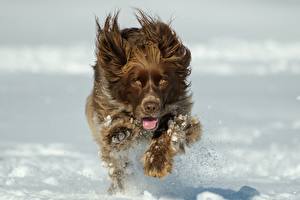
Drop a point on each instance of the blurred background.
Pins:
(58, 36)
(67, 22)
(245, 84)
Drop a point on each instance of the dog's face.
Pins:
(148, 89)
(145, 68)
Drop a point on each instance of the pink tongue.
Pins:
(149, 124)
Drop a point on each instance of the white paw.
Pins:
(178, 141)
(120, 136)
(177, 132)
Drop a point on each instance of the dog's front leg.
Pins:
(158, 159)
(182, 131)
(119, 136)
(116, 173)
(116, 170)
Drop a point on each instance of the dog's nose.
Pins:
(151, 107)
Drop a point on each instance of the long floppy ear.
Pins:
(171, 48)
(110, 48)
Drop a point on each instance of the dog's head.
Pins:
(145, 67)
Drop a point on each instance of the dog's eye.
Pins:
(163, 83)
(136, 83)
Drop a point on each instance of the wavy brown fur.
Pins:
(135, 67)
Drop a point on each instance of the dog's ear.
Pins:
(162, 34)
(110, 48)
(171, 48)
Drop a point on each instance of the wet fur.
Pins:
(114, 107)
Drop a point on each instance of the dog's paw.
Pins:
(120, 135)
(178, 141)
(177, 133)
(194, 131)
(156, 165)
(183, 130)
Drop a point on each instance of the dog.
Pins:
(140, 94)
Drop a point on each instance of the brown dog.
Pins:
(140, 94)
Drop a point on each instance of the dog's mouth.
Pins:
(150, 123)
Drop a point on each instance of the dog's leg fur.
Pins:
(116, 170)
(193, 131)
(111, 138)
(184, 130)
(118, 137)
(113, 153)
(158, 159)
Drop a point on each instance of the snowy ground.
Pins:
(246, 94)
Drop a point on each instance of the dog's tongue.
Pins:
(149, 124)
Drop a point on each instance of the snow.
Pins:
(220, 56)
(246, 95)
(208, 196)
(107, 120)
